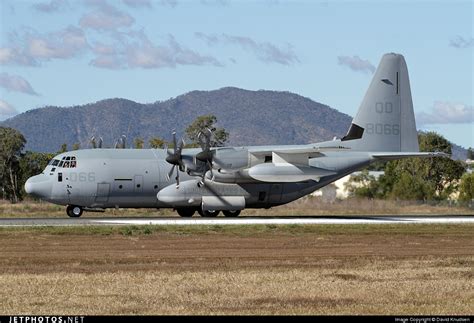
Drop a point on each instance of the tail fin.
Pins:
(385, 120)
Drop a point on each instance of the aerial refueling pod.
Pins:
(285, 172)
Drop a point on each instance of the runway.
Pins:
(314, 220)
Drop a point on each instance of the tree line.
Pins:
(432, 179)
(420, 179)
(17, 165)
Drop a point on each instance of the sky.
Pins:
(74, 52)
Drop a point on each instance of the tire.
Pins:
(210, 213)
(185, 212)
(231, 214)
(74, 211)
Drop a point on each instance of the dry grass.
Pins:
(389, 270)
(374, 287)
(304, 206)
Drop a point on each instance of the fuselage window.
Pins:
(55, 162)
(68, 158)
(73, 163)
(53, 169)
(66, 164)
(61, 163)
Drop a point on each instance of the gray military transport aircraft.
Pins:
(228, 179)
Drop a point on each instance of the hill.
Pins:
(251, 118)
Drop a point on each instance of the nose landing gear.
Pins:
(74, 211)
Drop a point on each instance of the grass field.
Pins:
(304, 206)
(312, 269)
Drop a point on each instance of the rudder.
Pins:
(385, 120)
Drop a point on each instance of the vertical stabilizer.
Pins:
(385, 120)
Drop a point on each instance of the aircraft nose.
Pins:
(38, 186)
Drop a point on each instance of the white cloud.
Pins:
(6, 110)
(32, 48)
(52, 6)
(105, 17)
(357, 64)
(16, 83)
(135, 50)
(264, 51)
(447, 112)
(460, 42)
(15, 56)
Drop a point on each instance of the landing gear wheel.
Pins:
(231, 214)
(185, 212)
(74, 211)
(209, 213)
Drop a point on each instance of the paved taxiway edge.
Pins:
(238, 221)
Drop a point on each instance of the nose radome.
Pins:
(39, 186)
(29, 186)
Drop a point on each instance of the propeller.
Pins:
(175, 158)
(96, 144)
(92, 141)
(120, 143)
(206, 154)
(99, 142)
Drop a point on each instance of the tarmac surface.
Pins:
(398, 219)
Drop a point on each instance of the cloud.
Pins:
(105, 17)
(460, 42)
(138, 3)
(135, 50)
(447, 112)
(264, 51)
(357, 64)
(6, 110)
(215, 2)
(16, 83)
(15, 56)
(32, 48)
(52, 6)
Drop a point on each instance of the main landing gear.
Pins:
(74, 211)
(189, 212)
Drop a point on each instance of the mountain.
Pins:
(251, 118)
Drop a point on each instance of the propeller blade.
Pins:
(174, 140)
(177, 177)
(168, 176)
(210, 170)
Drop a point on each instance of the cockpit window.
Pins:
(66, 162)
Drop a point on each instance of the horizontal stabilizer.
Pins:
(399, 155)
